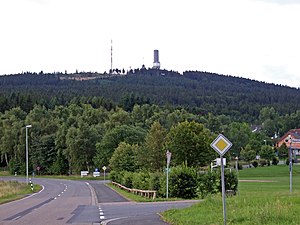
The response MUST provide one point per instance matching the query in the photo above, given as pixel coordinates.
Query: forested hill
(198, 92)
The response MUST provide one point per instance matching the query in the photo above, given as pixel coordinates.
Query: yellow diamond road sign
(221, 144)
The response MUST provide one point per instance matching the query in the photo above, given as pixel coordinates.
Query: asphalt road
(60, 202)
(117, 210)
(81, 203)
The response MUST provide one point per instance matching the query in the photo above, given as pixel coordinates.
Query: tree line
(197, 92)
(75, 137)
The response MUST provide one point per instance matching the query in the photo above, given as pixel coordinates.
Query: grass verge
(13, 190)
(264, 199)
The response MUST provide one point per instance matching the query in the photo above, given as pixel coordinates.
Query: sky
(255, 39)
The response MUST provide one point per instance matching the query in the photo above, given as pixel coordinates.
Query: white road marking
(102, 217)
(18, 217)
(107, 221)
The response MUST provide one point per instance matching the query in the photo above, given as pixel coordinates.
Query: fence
(143, 193)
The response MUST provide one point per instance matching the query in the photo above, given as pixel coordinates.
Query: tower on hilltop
(156, 63)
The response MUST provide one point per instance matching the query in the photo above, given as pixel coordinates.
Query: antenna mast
(111, 57)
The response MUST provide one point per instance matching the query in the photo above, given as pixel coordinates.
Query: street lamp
(168, 154)
(27, 126)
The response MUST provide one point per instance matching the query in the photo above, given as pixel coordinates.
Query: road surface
(81, 203)
(60, 202)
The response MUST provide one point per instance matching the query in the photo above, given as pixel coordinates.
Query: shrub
(262, 162)
(154, 181)
(127, 179)
(140, 180)
(208, 183)
(115, 176)
(287, 162)
(254, 163)
(231, 181)
(183, 182)
(275, 161)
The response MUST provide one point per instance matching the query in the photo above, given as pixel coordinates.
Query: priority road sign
(221, 144)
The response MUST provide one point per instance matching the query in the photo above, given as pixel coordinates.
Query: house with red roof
(292, 140)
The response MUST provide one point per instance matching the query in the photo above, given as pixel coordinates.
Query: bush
(127, 179)
(183, 182)
(275, 161)
(154, 181)
(287, 162)
(140, 180)
(262, 162)
(254, 163)
(231, 181)
(116, 176)
(208, 183)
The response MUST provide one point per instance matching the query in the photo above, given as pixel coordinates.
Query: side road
(117, 210)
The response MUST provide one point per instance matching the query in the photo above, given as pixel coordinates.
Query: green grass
(13, 190)
(256, 203)
(138, 198)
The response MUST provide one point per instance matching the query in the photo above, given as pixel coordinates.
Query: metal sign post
(104, 168)
(168, 153)
(221, 145)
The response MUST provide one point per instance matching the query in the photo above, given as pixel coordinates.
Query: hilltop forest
(86, 120)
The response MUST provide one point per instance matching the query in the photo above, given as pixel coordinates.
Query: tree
(189, 143)
(152, 155)
(267, 152)
(283, 151)
(248, 153)
(239, 135)
(124, 158)
(112, 138)
(12, 125)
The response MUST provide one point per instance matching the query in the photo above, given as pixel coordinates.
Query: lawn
(264, 198)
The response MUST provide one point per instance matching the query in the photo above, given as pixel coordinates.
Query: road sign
(168, 157)
(104, 168)
(221, 144)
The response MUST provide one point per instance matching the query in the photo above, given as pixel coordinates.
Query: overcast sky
(256, 39)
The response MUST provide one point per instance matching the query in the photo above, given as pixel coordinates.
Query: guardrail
(143, 193)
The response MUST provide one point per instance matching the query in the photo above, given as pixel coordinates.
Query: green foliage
(141, 180)
(124, 158)
(239, 134)
(112, 138)
(127, 178)
(183, 182)
(254, 163)
(275, 161)
(267, 152)
(210, 182)
(151, 155)
(189, 143)
(247, 153)
(282, 151)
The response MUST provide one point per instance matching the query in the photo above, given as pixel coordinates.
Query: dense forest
(84, 121)
(197, 92)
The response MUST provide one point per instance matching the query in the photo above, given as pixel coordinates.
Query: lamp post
(291, 163)
(27, 126)
(168, 154)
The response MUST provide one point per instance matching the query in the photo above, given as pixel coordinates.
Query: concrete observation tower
(156, 63)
